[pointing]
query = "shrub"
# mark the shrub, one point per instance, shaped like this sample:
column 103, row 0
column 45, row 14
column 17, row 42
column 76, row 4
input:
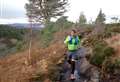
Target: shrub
column 116, row 63
column 92, row 40
column 112, row 65
column 19, row 45
column 100, row 52
column 111, row 30
column 46, row 35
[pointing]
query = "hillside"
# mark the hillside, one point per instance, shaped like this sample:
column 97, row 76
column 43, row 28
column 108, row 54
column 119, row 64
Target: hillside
column 15, row 67
column 11, row 39
column 26, row 25
column 18, row 68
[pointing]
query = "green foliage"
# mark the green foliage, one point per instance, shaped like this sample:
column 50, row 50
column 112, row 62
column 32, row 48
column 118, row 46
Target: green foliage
column 11, row 32
column 44, row 10
column 47, row 33
column 19, row 45
column 62, row 23
column 100, row 18
column 100, row 49
column 12, row 39
column 100, row 52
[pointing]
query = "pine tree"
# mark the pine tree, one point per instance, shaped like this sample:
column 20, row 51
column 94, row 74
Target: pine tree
column 44, row 10
column 82, row 19
column 100, row 18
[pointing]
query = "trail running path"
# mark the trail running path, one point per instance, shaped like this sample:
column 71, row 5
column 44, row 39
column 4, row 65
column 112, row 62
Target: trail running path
column 65, row 73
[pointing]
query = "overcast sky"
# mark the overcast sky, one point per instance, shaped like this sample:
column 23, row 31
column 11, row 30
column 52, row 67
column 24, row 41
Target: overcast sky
column 13, row 11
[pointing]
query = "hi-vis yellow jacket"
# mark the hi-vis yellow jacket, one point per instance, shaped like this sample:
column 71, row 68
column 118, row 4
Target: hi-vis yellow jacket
column 72, row 42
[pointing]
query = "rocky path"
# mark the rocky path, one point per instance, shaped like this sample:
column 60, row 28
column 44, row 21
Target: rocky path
column 84, row 71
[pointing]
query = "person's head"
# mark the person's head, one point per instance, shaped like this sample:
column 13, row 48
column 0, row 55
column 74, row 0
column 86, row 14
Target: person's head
column 73, row 32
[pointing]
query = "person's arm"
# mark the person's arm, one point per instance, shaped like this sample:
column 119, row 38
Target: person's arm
column 79, row 42
column 67, row 40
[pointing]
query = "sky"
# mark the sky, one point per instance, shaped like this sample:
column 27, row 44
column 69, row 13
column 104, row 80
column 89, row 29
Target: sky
column 13, row 11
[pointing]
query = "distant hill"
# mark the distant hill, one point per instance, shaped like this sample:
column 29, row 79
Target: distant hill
column 27, row 25
column 11, row 39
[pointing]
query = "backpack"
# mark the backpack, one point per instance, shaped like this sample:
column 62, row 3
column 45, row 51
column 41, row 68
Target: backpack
column 76, row 40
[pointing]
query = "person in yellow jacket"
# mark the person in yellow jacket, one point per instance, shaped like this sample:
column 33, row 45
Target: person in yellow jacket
column 72, row 41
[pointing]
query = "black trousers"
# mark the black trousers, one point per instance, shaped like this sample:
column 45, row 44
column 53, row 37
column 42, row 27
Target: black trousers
column 72, row 63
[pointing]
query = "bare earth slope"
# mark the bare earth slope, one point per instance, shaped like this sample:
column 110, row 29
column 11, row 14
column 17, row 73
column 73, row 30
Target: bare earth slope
column 15, row 68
